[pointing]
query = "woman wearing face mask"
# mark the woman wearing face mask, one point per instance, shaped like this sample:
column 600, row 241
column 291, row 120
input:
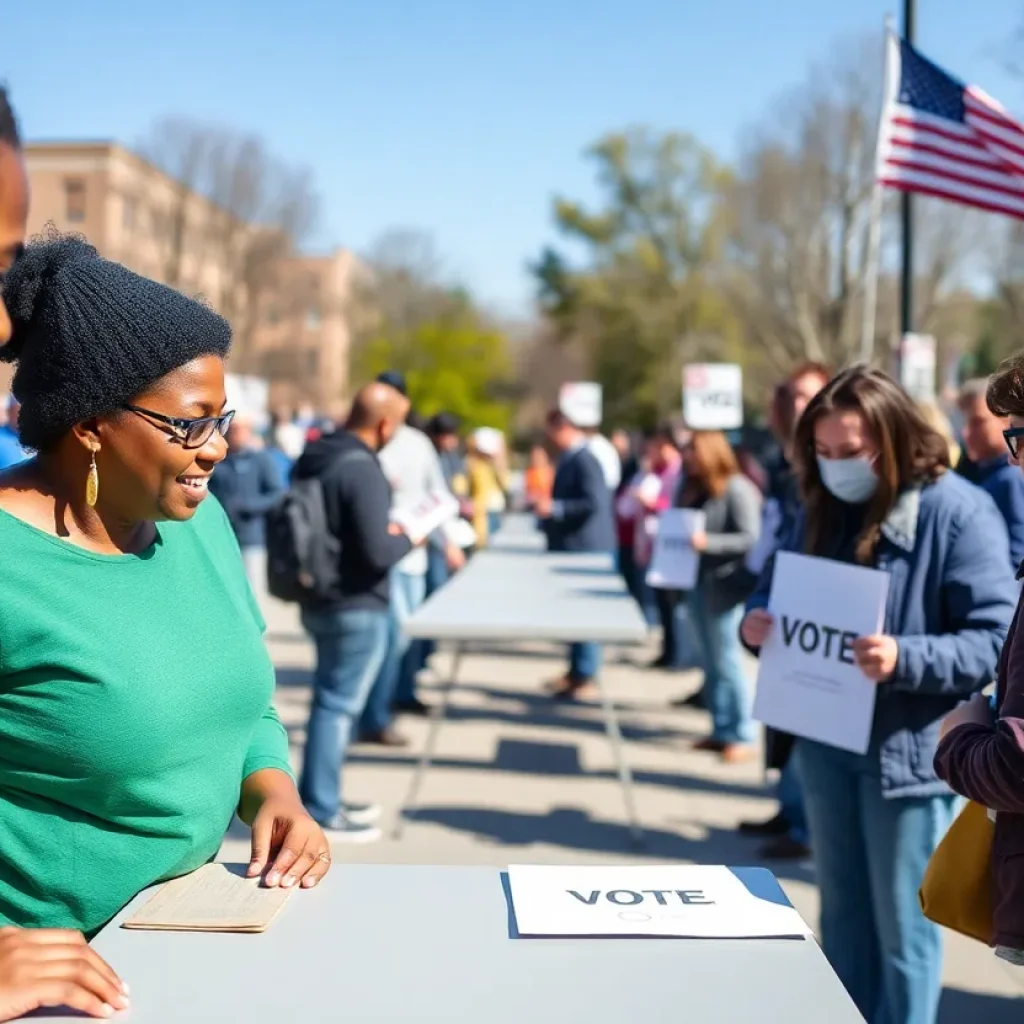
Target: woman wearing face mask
column 877, row 492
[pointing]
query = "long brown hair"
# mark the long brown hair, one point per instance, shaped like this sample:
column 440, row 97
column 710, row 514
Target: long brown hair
column 714, row 463
column 909, row 452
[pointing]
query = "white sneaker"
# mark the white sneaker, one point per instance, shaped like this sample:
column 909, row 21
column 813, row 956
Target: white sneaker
column 342, row 829
column 361, row 814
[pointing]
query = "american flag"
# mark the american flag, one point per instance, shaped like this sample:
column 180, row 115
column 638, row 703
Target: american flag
column 941, row 138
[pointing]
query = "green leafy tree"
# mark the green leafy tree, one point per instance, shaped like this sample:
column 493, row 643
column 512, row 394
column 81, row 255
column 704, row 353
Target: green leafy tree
column 643, row 301
column 454, row 362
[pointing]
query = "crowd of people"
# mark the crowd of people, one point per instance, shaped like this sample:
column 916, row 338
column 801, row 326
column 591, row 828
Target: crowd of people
column 118, row 430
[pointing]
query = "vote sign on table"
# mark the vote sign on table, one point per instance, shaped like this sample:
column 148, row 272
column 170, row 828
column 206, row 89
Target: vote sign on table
column 713, row 396
column 808, row 682
column 684, row 900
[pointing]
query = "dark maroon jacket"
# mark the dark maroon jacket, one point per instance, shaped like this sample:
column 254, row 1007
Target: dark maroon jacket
column 986, row 764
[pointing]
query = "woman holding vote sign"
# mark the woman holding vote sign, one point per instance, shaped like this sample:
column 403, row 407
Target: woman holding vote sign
column 877, row 492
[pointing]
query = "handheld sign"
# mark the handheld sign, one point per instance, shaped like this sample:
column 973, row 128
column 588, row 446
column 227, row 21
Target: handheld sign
column 581, row 403
column 675, row 563
column 713, row 396
column 807, row 681
column 687, row 901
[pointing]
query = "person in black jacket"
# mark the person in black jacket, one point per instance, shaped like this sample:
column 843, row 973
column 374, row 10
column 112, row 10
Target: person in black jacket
column 577, row 517
column 351, row 627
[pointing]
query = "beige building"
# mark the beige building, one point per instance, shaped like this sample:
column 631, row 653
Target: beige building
column 290, row 312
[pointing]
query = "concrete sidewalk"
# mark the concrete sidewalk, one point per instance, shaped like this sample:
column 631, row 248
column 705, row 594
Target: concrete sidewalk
column 521, row 778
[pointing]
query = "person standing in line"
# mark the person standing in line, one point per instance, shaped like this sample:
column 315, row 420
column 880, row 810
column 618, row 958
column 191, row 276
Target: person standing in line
column 11, row 452
column 607, row 456
column 877, row 492
column 486, row 490
column 577, row 517
column 629, row 464
column 351, row 627
column 248, row 485
column 539, row 476
column 714, row 484
column 981, row 750
column 413, row 469
column 785, row 833
column 985, row 447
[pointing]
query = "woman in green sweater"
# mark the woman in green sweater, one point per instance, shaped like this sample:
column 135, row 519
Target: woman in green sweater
column 135, row 688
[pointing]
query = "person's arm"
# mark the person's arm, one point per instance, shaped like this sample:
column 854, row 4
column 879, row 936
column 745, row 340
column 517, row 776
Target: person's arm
column 590, row 477
column 1008, row 495
column 368, row 505
column 978, row 594
column 745, row 507
column 269, row 489
column 985, row 762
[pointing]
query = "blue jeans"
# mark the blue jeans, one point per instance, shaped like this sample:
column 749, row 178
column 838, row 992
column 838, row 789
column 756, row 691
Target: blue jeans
column 350, row 648
column 727, row 691
column 396, row 680
column 870, row 855
column 791, row 800
column 584, row 661
column 437, row 577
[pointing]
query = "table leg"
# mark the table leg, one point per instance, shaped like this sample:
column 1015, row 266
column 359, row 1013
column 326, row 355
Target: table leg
column 437, row 714
column 611, row 725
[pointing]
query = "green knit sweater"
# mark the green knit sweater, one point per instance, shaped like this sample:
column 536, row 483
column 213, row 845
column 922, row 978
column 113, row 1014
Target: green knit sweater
column 135, row 696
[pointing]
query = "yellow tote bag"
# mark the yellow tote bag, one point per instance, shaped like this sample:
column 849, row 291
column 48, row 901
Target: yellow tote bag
column 957, row 887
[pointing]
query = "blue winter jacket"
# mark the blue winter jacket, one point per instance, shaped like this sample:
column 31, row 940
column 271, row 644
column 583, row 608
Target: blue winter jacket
column 951, row 598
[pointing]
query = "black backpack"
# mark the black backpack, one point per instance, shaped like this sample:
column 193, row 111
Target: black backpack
column 303, row 555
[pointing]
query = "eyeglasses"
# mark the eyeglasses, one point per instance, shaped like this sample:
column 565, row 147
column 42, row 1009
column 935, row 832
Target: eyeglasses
column 192, row 433
column 1012, row 438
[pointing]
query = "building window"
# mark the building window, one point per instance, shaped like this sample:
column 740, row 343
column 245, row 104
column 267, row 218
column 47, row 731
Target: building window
column 74, row 201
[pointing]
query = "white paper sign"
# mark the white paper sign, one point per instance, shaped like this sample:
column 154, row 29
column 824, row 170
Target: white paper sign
column 917, row 366
column 674, row 563
column 581, row 403
column 713, row 396
column 684, row 900
column 421, row 520
column 807, row 681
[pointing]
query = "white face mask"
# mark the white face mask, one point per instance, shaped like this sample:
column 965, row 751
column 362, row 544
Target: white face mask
column 851, row 480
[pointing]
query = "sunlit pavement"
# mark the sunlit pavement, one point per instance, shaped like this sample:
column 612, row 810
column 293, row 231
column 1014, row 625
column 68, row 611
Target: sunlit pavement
column 521, row 778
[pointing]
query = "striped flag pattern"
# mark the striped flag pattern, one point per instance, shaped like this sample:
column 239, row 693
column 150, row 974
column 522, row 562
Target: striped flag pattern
column 941, row 138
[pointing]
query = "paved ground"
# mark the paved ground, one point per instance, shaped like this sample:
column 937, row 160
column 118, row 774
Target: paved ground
column 521, row 779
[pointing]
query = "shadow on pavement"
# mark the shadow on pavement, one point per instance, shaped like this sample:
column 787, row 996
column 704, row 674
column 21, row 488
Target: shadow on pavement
column 522, row 757
column 574, row 829
column 959, row 1007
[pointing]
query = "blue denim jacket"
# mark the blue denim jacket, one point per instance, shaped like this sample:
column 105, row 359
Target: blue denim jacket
column 951, row 598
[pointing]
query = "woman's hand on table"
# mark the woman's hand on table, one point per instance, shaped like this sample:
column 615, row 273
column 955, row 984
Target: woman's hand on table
column 47, row 967
column 288, row 847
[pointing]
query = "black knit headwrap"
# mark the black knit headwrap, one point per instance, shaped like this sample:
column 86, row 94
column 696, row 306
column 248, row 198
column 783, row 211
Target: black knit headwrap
column 89, row 335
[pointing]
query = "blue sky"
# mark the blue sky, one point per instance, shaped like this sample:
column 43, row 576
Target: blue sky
column 463, row 119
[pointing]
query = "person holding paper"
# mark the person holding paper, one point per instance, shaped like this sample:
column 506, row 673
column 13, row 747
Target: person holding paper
column 731, row 507
column 577, row 517
column 981, row 753
column 877, row 492
column 136, row 712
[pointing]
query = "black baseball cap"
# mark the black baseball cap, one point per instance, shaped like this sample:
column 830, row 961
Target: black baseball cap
column 395, row 380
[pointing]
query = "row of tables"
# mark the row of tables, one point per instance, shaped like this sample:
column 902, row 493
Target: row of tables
column 396, row 943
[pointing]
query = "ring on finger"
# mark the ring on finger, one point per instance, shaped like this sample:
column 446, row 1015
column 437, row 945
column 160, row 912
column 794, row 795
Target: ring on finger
column 325, row 857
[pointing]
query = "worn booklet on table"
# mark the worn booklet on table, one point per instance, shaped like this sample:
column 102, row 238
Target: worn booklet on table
column 216, row 898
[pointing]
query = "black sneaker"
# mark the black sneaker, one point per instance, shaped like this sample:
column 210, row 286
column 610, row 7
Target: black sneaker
column 412, row 707
column 342, row 829
column 777, row 826
column 361, row 814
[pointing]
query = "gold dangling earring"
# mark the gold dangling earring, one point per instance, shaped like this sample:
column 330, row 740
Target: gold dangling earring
column 92, row 484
